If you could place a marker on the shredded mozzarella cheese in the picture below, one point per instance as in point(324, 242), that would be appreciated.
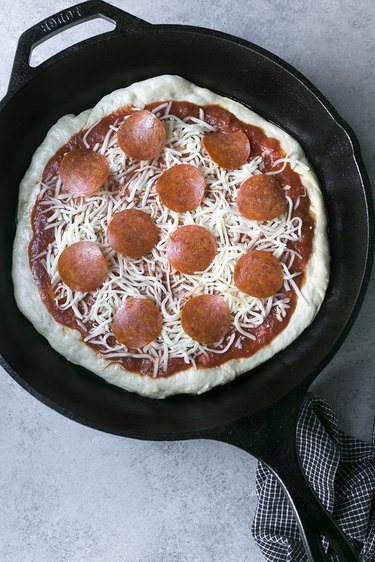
point(132, 185)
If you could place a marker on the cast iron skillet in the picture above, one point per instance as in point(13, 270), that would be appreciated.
point(258, 411)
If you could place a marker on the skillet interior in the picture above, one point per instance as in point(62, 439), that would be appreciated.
point(233, 68)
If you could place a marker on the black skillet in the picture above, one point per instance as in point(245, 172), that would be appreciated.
point(258, 411)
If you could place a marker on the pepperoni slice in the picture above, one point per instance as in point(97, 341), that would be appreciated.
point(142, 136)
point(228, 150)
point(137, 322)
point(191, 249)
point(206, 318)
point(132, 233)
point(260, 198)
point(181, 188)
point(83, 172)
point(258, 274)
point(82, 266)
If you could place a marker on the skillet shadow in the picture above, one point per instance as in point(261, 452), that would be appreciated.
point(347, 382)
point(345, 387)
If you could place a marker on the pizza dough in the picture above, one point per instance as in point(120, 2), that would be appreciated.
point(68, 341)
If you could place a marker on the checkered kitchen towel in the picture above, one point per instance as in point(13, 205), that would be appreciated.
point(340, 468)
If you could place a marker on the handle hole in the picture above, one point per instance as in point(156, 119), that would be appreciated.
point(68, 37)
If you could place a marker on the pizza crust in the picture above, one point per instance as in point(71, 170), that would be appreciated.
point(68, 341)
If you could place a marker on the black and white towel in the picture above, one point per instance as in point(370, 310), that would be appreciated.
point(340, 468)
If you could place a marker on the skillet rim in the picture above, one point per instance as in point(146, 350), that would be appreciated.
point(362, 174)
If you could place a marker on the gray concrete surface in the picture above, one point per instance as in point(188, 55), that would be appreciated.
point(72, 494)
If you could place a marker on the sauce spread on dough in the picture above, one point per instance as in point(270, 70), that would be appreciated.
point(260, 145)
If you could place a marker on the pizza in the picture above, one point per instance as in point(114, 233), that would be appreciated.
point(169, 239)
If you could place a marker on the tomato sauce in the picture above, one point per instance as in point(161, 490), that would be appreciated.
point(261, 145)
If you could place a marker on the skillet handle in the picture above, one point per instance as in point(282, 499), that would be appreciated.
point(271, 437)
point(313, 519)
point(22, 72)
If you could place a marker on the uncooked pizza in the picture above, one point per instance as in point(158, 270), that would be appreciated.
point(169, 239)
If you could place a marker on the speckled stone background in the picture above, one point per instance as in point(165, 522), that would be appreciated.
point(72, 494)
